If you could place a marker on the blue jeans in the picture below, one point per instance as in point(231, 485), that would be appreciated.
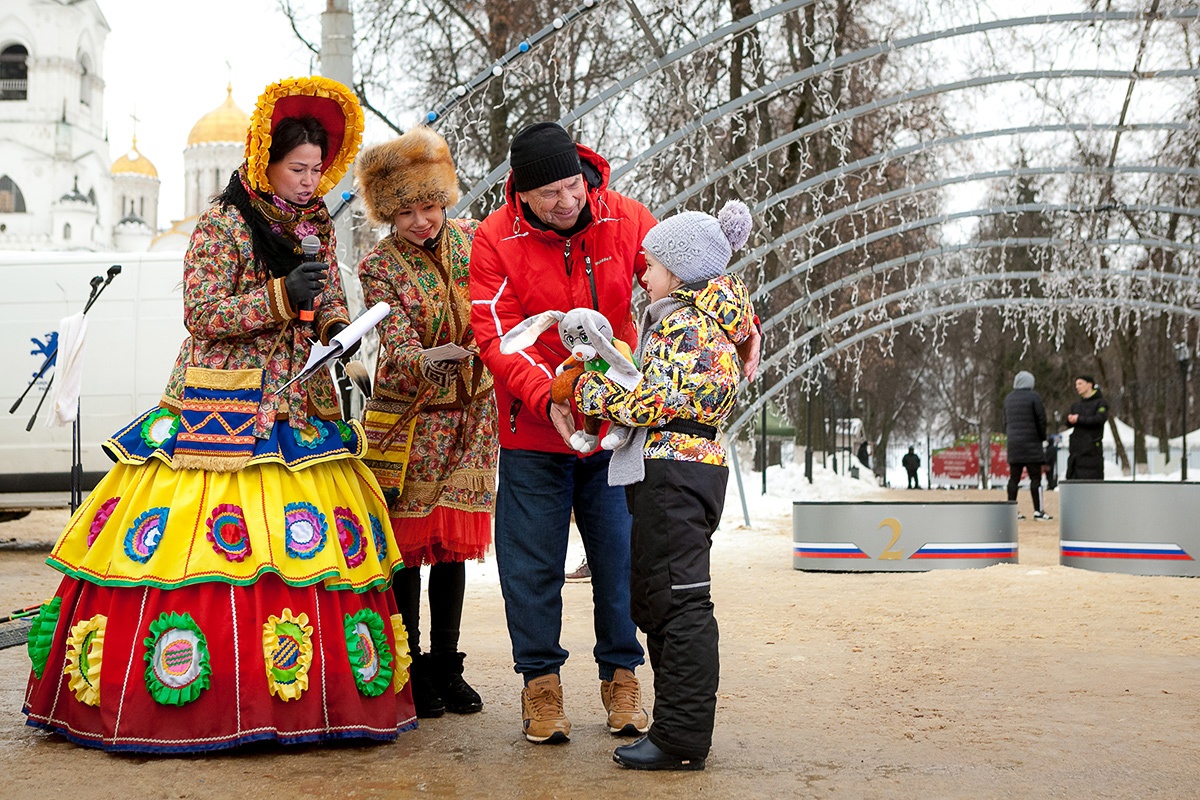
point(533, 515)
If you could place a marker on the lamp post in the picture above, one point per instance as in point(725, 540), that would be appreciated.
point(1184, 358)
point(810, 321)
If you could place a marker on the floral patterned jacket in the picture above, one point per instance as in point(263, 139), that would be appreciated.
point(691, 372)
point(239, 317)
point(429, 307)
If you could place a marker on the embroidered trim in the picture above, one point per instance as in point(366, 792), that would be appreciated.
point(85, 652)
point(350, 536)
point(288, 653)
point(367, 648)
point(145, 534)
point(103, 514)
point(159, 426)
point(304, 530)
point(378, 536)
point(177, 668)
point(403, 655)
point(41, 635)
point(227, 532)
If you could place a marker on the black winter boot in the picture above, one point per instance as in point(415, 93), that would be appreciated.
point(446, 675)
point(428, 702)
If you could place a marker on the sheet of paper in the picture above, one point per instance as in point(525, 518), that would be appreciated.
point(446, 352)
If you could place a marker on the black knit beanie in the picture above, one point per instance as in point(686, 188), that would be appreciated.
point(542, 153)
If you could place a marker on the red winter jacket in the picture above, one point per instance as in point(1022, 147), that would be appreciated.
point(519, 270)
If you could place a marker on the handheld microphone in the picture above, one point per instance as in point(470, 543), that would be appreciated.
point(310, 245)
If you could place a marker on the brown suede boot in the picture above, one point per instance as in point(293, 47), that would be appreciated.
point(622, 698)
point(545, 722)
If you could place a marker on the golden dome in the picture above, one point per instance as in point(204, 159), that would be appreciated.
point(134, 162)
point(226, 123)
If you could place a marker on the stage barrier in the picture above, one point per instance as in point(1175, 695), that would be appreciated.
point(902, 537)
point(1131, 527)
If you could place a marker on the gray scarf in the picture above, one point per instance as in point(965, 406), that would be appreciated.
point(628, 465)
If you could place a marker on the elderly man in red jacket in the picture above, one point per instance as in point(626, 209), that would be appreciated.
point(562, 240)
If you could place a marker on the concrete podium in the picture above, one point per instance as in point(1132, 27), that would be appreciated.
point(902, 537)
point(1131, 527)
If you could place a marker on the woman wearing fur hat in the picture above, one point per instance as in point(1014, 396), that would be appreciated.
point(442, 512)
point(674, 467)
point(228, 578)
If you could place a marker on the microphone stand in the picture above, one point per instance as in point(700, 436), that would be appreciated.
point(98, 285)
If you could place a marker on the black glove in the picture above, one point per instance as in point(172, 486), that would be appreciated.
point(305, 282)
point(333, 330)
point(439, 373)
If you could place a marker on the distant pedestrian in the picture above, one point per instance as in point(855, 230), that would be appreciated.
point(1087, 417)
point(1050, 467)
point(864, 454)
point(1025, 428)
point(911, 463)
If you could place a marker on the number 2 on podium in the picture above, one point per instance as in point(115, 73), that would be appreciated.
point(888, 553)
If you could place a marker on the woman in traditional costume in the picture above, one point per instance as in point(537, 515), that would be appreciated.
point(227, 581)
point(438, 469)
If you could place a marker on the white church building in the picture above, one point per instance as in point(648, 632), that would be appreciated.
point(59, 188)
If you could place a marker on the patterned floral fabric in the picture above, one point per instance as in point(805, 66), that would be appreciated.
point(452, 464)
point(239, 317)
point(691, 372)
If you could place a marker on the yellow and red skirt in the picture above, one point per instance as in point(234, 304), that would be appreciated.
point(203, 610)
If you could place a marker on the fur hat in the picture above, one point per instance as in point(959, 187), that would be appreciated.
point(412, 169)
point(694, 246)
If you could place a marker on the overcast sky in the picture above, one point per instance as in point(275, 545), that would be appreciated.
point(170, 62)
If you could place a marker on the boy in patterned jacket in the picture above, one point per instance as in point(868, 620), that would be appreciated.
point(674, 467)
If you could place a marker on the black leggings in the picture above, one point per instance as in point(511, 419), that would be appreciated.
point(447, 583)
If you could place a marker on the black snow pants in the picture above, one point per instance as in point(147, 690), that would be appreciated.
point(675, 510)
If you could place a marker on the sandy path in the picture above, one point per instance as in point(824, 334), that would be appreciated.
point(1029, 680)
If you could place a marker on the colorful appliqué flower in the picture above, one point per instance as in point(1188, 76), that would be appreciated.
point(144, 536)
point(85, 651)
point(227, 532)
point(159, 426)
point(403, 655)
point(288, 650)
point(304, 529)
point(177, 668)
point(350, 535)
point(378, 536)
point(101, 519)
point(312, 435)
point(345, 431)
point(370, 657)
point(41, 635)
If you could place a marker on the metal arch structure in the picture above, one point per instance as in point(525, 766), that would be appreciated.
point(931, 289)
point(947, 250)
point(947, 310)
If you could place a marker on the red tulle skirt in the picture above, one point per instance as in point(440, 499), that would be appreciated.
point(445, 534)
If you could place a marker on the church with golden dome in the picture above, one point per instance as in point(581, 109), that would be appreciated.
point(59, 190)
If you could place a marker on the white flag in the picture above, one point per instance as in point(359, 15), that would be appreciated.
point(68, 371)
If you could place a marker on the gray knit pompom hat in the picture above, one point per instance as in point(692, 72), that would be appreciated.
point(695, 246)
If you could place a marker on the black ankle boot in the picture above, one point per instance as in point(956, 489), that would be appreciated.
point(428, 702)
point(446, 675)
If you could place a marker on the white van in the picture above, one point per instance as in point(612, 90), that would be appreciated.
point(134, 332)
point(135, 328)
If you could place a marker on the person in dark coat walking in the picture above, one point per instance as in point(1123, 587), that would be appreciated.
point(911, 463)
point(1088, 414)
point(1025, 427)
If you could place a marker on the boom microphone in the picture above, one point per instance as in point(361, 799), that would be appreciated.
point(310, 245)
